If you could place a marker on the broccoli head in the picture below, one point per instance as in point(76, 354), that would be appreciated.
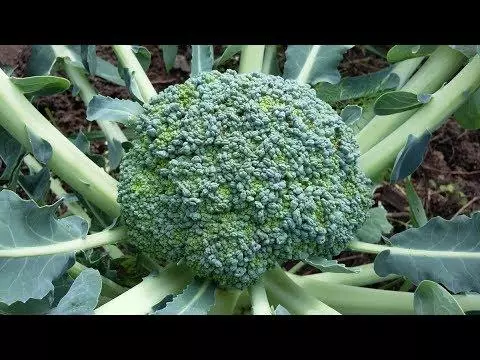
point(234, 173)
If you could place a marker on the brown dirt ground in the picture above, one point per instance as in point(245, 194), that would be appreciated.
point(448, 181)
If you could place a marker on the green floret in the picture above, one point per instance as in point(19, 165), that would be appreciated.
point(234, 173)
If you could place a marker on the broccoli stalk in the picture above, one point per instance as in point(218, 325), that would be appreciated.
point(67, 161)
point(429, 117)
point(439, 68)
point(128, 60)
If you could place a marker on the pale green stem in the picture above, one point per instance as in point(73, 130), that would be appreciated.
point(405, 69)
point(365, 276)
point(270, 57)
point(438, 69)
point(56, 187)
point(141, 299)
point(282, 290)
point(225, 301)
point(251, 58)
point(357, 300)
point(111, 130)
point(260, 304)
point(89, 242)
point(429, 117)
point(68, 162)
point(128, 60)
point(109, 288)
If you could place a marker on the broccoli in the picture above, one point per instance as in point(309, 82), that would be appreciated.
point(234, 173)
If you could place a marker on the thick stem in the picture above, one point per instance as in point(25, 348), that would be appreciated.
point(140, 299)
point(109, 288)
point(260, 304)
point(251, 58)
point(68, 162)
point(269, 58)
point(438, 69)
point(356, 300)
point(281, 289)
point(225, 301)
point(429, 117)
point(128, 60)
point(89, 242)
point(405, 69)
point(295, 268)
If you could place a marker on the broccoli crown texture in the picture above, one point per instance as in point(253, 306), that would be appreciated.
point(233, 173)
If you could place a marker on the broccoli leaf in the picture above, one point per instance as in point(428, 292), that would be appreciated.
point(88, 54)
point(375, 225)
point(351, 114)
point(169, 55)
point(410, 157)
point(11, 153)
point(44, 61)
point(202, 59)
point(41, 85)
point(23, 224)
point(143, 56)
point(312, 64)
point(444, 251)
point(394, 102)
point(104, 108)
point(196, 299)
point(326, 265)
point(402, 52)
point(356, 87)
point(417, 212)
point(131, 83)
point(83, 295)
point(36, 185)
point(432, 299)
point(229, 52)
point(41, 149)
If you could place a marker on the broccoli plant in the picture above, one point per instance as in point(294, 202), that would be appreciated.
point(213, 185)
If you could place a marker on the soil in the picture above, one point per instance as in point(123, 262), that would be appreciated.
point(448, 181)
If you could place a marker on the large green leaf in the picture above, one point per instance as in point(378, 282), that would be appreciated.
point(444, 251)
point(468, 115)
point(375, 225)
point(22, 225)
point(83, 295)
point(104, 108)
point(169, 54)
point(40, 306)
point(11, 153)
point(312, 64)
point(41, 85)
point(196, 299)
point(202, 59)
point(358, 86)
point(403, 52)
point(432, 299)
